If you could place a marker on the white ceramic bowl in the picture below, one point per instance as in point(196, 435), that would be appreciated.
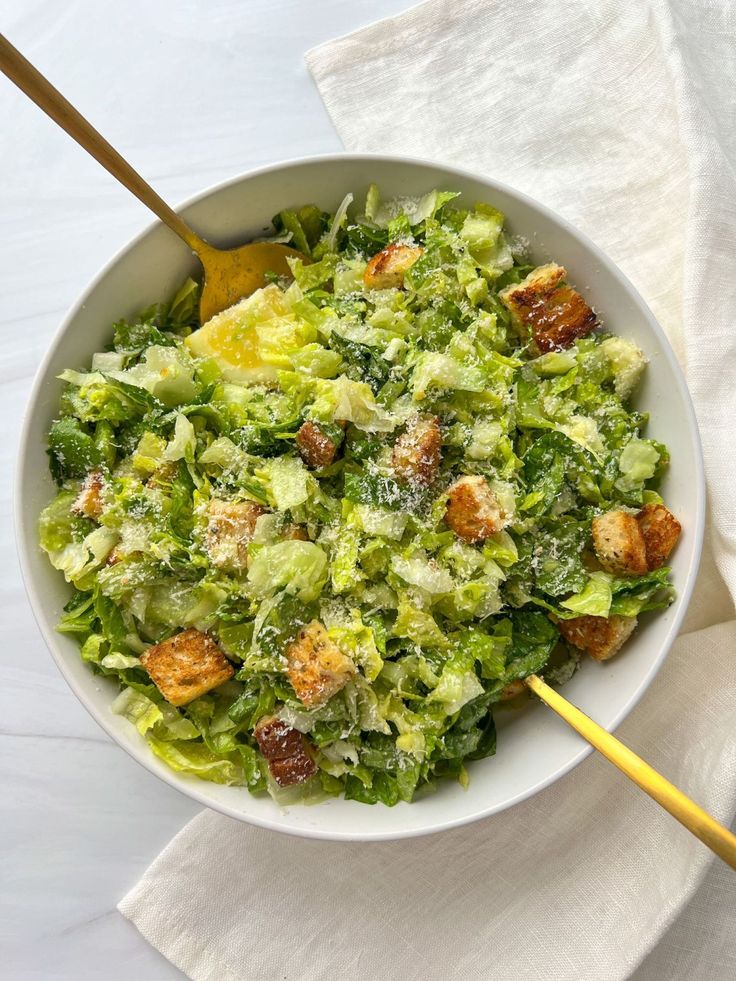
point(534, 746)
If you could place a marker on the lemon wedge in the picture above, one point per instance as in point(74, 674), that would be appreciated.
point(238, 338)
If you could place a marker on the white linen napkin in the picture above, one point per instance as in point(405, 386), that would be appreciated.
point(619, 117)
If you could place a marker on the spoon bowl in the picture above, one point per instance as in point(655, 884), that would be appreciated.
point(231, 274)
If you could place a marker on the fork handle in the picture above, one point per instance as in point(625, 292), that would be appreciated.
point(680, 806)
point(29, 80)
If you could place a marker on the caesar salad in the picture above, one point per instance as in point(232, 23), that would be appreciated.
point(320, 540)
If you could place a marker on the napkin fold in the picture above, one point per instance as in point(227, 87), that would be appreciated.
point(620, 117)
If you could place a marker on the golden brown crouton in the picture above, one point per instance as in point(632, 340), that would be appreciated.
point(416, 454)
point(186, 666)
point(618, 543)
point(286, 751)
point(473, 512)
point(660, 530)
point(601, 637)
point(230, 527)
point(315, 447)
point(513, 690)
point(317, 668)
point(554, 313)
point(295, 533)
point(386, 269)
point(88, 503)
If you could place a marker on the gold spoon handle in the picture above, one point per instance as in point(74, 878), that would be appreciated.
point(688, 813)
point(42, 92)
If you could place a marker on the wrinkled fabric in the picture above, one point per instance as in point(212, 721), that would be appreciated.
point(619, 117)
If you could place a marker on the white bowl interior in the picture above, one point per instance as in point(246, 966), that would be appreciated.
point(534, 747)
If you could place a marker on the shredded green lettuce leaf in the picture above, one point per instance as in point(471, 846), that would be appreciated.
point(187, 499)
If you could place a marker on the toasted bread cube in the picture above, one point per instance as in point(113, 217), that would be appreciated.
point(295, 533)
point(230, 527)
point(386, 269)
point(88, 503)
point(315, 446)
point(513, 690)
point(619, 544)
point(294, 769)
point(660, 530)
point(554, 313)
point(601, 637)
point(473, 512)
point(417, 452)
point(276, 739)
point(187, 665)
point(285, 750)
point(317, 668)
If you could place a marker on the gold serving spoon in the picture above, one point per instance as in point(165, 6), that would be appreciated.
point(680, 806)
point(229, 274)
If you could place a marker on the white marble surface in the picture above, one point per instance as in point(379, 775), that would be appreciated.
point(192, 92)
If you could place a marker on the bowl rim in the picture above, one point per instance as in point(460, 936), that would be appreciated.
point(191, 789)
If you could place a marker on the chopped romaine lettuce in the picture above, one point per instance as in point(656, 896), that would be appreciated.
point(274, 479)
point(297, 567)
